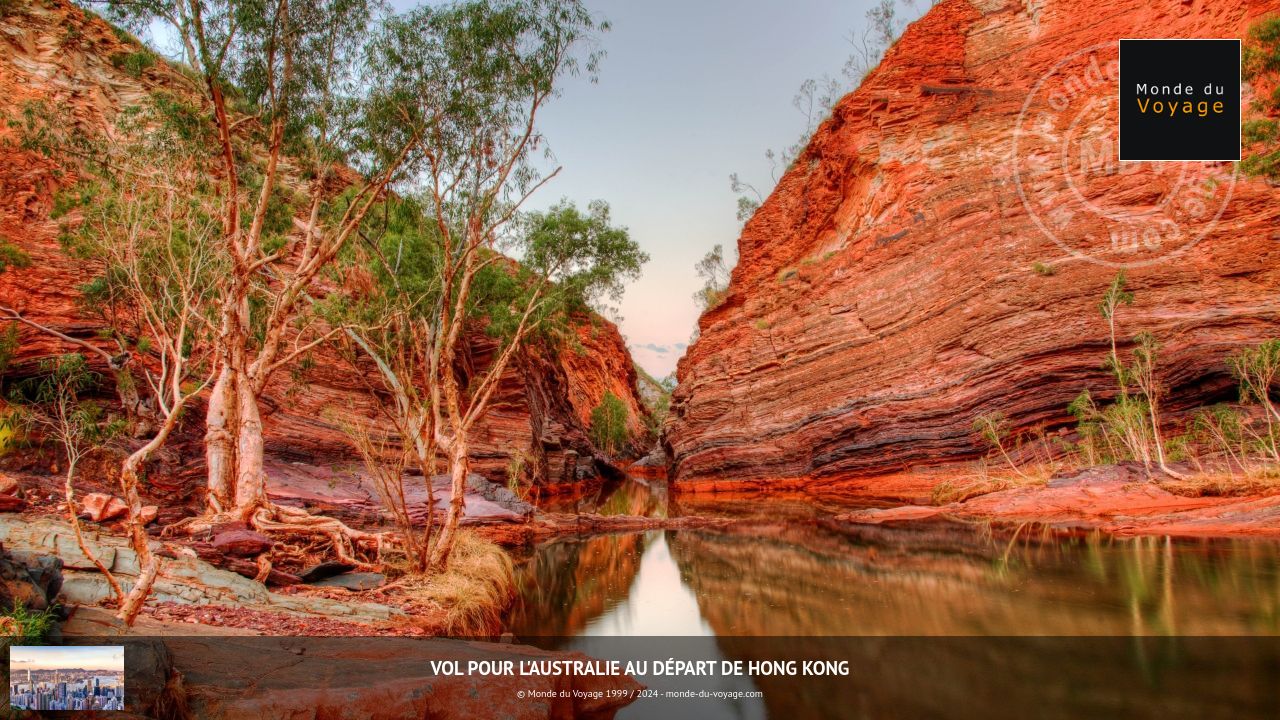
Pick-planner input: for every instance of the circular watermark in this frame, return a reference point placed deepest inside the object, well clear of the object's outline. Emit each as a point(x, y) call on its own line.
point(1078, 193)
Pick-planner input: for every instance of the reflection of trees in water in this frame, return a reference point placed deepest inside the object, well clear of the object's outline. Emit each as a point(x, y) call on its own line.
point(628, 496)
point(811, 581)
point(568, 583)
point(798, 585)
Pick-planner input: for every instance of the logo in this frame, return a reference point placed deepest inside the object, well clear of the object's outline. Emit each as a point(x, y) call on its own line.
point(1180, 100)
point(1078, 192)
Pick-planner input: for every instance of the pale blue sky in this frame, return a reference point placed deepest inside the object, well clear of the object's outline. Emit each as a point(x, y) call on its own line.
point(85, 657)
point(688, 93)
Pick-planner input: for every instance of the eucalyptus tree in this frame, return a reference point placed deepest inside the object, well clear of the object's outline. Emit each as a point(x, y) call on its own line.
point(569, 260)
point(477, 76)
point(442, 100)
point(55, 402)
point(151, 236)
point(283, 84)
point(144, 227)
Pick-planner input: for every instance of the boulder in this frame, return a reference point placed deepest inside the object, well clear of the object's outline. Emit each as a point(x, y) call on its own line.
point(31, 580)
point(8, 485)
point(242, 543)
point(499, 495)
point(101, 507)
point(11, 503)
point(354, 581)
point(316, 573)
point(149, 514)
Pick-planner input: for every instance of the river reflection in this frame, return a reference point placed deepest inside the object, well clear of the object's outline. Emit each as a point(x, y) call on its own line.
point(785, 577)
point(790, 575)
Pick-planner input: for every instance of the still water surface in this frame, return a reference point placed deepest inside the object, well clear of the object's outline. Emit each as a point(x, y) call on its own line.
point(787, 574)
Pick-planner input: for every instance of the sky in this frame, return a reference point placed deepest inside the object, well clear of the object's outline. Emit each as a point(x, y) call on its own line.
point(688, 92)
point(86, 657)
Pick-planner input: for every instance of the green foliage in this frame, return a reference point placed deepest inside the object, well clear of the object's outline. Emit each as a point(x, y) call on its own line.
point(656, 395)
point(993, 427)
point(12, 256)
point(1129, 427)
point(1262, 57)
point(184, 121)
point(1260, 130)
point(1221, 428)
point(66, 374)
point(134, 63)
point(714, 272)
point(1257, 369)
point(571, 260)
point(277, 221)
point(1115, 296)
point(1044, 269)
point(609, 424)
point(22, 623)
point(585, 257)
point(8, 346)
point(1262, 49)
point(518, 468)
point(55, 400)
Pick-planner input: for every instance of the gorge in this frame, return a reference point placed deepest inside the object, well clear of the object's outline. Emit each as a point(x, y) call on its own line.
point(971, 380)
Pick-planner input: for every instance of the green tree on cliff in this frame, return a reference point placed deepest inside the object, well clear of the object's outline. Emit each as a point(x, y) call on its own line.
point(479, 75)
point(1262, 134)
point(714, 272)
point(609, 423)
point(568, 259)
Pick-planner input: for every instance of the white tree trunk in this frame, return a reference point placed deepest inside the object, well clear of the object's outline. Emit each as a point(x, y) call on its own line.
point(251, 479)
point(220, 442)
point(459, 468)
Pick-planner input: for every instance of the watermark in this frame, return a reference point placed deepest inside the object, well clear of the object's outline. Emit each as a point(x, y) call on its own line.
point(1079, 194)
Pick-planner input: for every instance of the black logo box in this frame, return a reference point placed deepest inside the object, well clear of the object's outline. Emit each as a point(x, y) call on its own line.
point(1185, 64)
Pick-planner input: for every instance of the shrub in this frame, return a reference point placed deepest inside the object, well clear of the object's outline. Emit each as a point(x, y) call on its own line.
point(609, 424)
point(27, 625)
point(1257, 369)
point(471, 595)
point(994, 429)
point(1043, 269)
point(12, 256)
point(133, 64)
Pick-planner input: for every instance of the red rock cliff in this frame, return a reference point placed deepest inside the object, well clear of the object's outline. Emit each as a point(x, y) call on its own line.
point(55, 53)
point(924, 261)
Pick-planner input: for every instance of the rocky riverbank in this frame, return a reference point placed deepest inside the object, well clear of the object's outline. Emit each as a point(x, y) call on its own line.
point(1120, 500)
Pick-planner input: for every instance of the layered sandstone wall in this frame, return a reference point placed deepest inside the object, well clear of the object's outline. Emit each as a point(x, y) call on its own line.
point(53, 52)
point(924, 262)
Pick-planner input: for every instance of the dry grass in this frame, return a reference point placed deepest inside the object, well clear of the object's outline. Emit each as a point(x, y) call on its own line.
point(470, 597)
point(1258, 480)
point(984, 481)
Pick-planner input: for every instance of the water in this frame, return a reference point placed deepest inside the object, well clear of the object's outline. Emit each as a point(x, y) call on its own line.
point(788, 574)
